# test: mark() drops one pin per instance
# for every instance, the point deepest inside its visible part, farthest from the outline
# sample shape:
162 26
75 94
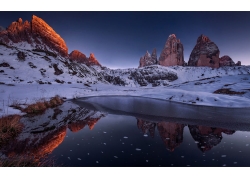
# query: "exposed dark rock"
205 53
226 61
21 55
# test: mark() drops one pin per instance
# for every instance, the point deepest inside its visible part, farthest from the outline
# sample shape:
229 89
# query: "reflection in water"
41 136
146 127
207 137
171 134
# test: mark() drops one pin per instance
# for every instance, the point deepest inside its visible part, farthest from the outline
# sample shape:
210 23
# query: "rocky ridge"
37 33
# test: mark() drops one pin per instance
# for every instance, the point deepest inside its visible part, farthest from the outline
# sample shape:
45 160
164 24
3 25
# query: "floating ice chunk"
247 144
104 132
223 155
69 158
97 162
235 162
88 153
115 157
137 149
78 144
104 143
146 160
182 156
145 135
79 159
202 146
167 138
70 150
196 142
224 165
125 137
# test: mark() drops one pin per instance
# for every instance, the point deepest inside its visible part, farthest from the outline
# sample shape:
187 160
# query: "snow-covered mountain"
34 63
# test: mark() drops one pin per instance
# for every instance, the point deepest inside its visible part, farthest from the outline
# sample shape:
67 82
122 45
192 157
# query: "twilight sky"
119 39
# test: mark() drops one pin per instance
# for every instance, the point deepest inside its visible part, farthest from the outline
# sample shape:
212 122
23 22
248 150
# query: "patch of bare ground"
228 91
10 127
40 106
25 161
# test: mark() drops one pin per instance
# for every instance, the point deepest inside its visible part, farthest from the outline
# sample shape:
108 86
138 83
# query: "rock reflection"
171 134
146 127
43 134
207 137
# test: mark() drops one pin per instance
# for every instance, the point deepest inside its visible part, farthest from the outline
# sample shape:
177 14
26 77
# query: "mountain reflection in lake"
127 131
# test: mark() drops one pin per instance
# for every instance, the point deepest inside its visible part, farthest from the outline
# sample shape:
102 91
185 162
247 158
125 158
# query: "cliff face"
40 29
37 33
205 53
172 53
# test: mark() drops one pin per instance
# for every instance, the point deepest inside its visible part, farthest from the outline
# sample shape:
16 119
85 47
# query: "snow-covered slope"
42 74
42 67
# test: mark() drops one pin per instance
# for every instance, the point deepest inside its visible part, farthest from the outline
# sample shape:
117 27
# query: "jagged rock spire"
172 53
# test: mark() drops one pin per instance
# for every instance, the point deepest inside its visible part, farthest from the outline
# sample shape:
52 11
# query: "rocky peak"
205 53
81 58
203 39
93 60
148 59
238 63
37 33
77 56
172 53
226 61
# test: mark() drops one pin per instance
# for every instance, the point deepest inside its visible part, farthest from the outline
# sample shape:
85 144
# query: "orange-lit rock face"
37 29
41 29
81 58
91 122
77 126
39 146
171 134
207 137
50 143
205 53
172 53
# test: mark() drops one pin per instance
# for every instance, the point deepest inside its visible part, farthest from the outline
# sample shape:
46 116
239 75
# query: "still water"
147 132
136 131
